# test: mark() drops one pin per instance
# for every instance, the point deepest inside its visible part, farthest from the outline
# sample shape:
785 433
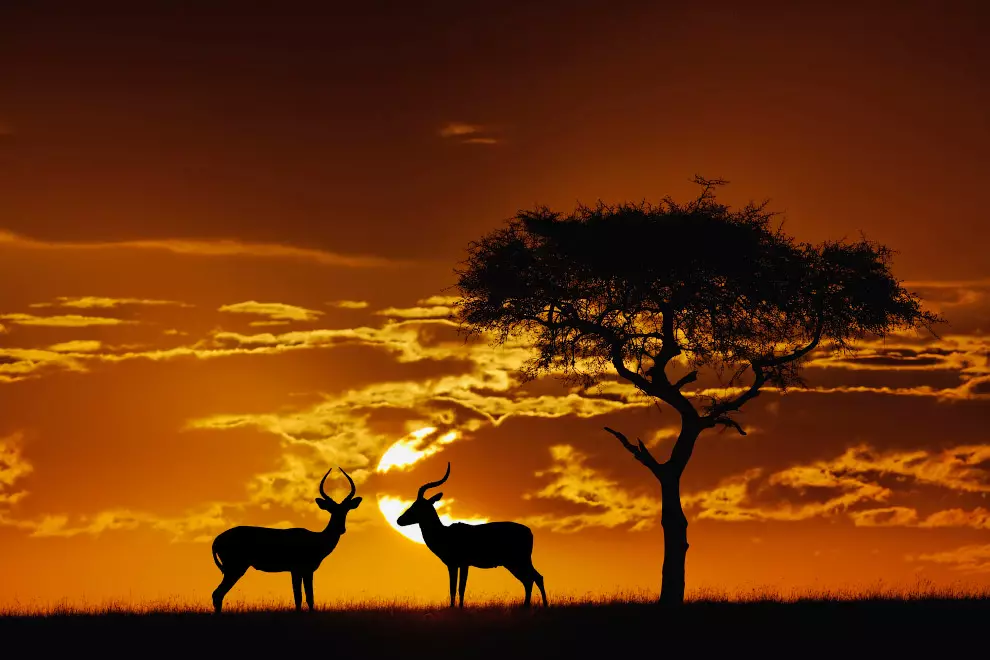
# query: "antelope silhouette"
297 551
461 546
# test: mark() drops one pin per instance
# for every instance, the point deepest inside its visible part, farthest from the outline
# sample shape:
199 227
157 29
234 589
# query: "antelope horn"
433 484
353 487
322 481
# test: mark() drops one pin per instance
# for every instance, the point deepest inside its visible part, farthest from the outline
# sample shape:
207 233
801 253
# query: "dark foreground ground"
890 628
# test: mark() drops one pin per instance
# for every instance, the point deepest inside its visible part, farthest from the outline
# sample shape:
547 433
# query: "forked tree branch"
656 384
760 378
620 368
639 452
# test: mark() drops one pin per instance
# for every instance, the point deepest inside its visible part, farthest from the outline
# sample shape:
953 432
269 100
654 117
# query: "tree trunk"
672 518
675 543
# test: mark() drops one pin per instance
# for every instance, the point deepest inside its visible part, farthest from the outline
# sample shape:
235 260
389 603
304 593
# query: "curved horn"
353 487
322 481
433 484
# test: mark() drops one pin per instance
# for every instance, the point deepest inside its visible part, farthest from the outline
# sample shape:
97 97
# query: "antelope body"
296 551
460 546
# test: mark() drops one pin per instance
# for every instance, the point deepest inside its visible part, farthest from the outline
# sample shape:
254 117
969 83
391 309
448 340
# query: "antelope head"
422 509
338 511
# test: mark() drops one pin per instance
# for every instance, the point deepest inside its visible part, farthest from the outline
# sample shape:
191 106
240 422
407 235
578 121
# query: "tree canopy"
635 285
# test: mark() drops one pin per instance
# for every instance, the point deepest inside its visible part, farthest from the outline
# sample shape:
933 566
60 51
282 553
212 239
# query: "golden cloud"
99 302
851 479
573 481
198 526
664 434
891 516
732 499
436 312
353 444
77 346
22 363
399 338
957 468
969 558
225 248
13 467
348 304
434 307
966 354
978 518
406 339
899 516
276 312
449 301
332 432
66 321
336 430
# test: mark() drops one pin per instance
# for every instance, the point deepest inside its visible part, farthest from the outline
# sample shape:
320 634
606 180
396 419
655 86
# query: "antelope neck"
328 532
432 529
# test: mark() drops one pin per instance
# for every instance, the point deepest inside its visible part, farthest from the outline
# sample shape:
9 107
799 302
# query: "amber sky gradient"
226 234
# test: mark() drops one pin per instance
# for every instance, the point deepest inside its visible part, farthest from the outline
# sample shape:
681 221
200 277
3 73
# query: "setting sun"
403 454
706 313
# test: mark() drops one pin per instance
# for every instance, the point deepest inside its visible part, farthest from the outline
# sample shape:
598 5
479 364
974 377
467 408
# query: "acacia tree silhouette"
640 288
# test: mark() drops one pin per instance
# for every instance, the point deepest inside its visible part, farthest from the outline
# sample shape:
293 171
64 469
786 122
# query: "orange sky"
225 238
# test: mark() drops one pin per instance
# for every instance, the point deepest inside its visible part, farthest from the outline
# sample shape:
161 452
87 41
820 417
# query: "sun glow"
410 449
401 455
392 508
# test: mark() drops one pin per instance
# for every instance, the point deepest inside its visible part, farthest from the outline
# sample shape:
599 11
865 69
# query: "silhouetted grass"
761 622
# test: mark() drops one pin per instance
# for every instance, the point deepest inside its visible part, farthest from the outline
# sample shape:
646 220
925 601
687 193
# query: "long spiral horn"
433 484
353 487
322 481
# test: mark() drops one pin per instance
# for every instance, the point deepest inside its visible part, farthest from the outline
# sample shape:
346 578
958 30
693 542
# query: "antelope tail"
216 559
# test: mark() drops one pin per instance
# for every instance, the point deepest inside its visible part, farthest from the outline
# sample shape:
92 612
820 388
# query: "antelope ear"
435 498
320 502
354 503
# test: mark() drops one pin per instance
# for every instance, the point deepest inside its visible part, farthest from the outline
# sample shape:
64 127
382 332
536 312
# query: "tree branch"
689 378
620 367
669 348
799 353
719 410
728 421
760 377
640 452
656 384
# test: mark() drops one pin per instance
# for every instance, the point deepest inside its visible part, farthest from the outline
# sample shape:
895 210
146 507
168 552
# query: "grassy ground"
826 624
